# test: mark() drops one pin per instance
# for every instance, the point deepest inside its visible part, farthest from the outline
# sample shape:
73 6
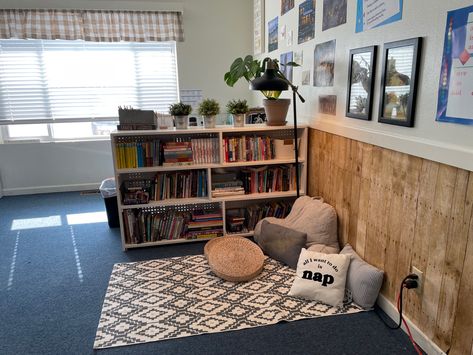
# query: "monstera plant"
250 69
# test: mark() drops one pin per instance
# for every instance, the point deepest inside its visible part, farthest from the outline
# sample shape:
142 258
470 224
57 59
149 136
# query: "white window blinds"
63 81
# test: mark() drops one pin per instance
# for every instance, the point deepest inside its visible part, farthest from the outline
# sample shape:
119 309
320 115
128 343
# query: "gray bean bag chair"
313 217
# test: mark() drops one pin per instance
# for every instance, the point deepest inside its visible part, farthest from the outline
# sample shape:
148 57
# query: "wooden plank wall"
398 210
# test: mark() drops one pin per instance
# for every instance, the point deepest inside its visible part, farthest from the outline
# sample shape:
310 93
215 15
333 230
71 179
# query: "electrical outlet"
420 280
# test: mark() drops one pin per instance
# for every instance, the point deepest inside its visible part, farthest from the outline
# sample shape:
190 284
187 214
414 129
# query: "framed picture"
361 69
399 82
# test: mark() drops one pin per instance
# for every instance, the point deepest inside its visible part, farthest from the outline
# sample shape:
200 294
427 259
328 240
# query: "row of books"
168 185
138 152
243 220
269 179
205 150
244 148
148 226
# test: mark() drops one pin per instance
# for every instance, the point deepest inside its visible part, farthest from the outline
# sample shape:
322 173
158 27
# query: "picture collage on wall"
399 60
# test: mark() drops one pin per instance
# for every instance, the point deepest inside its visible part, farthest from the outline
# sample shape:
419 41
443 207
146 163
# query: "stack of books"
226 184
177 153
205 224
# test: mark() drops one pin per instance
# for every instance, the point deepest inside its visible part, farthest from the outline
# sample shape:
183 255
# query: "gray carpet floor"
56 257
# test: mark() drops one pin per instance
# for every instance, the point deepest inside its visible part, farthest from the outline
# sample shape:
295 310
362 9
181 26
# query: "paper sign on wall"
455 97
374 13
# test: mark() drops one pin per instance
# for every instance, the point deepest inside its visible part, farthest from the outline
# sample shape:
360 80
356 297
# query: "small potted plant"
208 109
238 109
181 113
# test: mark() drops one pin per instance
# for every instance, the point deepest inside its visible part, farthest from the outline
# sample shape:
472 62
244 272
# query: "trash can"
108 191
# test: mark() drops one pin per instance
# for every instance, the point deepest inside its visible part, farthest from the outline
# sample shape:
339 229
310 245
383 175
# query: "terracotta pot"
276 111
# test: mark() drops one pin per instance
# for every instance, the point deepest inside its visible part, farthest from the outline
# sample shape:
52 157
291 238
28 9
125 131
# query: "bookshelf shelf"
260 162
258 196
194 219
154 169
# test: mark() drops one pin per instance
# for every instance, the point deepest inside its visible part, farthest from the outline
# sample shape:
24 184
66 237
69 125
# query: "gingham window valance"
91 25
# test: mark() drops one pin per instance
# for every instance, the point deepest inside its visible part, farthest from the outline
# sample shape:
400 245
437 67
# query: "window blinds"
45 81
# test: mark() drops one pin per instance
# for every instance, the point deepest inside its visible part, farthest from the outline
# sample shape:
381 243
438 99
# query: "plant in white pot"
208 109
253 70
238 109
181 112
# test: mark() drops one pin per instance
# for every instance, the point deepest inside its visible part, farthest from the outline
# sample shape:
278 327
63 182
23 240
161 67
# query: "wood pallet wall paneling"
399 211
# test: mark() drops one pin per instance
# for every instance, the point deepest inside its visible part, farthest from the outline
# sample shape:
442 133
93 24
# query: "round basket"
234 259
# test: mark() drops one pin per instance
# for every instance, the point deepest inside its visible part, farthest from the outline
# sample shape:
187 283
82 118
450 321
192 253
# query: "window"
54 89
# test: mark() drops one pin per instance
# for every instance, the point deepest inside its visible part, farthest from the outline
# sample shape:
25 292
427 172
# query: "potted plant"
181 113
238 109
250 69
208 109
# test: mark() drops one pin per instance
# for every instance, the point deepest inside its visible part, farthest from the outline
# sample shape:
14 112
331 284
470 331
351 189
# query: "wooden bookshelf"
219 164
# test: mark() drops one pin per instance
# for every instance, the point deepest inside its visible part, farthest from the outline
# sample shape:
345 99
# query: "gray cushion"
313 217
281 243
363 280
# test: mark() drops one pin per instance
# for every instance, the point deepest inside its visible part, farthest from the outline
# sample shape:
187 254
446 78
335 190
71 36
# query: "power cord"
410 281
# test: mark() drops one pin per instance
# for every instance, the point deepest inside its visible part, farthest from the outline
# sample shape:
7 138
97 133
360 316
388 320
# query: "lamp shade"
269 81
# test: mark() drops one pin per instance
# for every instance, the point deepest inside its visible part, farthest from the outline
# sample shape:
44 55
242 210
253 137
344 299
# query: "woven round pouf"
234 259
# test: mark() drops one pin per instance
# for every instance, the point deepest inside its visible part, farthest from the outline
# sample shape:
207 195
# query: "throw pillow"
281 243
313 217
321 277
363 280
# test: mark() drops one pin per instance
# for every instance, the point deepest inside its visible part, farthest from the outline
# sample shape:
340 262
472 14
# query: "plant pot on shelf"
209 121
276 111
238 120
181 122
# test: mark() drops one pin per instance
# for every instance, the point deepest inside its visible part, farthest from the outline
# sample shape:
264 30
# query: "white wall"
215 32
439 141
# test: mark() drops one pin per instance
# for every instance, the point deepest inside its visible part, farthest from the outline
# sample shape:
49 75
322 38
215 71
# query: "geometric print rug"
179 297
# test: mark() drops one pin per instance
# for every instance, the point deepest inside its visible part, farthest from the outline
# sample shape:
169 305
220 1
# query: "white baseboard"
420 338
49 189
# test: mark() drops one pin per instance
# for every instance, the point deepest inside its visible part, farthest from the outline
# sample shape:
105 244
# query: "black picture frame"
365 76
399 82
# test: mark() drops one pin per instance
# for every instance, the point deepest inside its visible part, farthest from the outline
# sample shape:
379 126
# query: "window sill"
41 141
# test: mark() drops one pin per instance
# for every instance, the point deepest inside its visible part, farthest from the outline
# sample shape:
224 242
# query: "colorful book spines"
245 148
147 226
137 154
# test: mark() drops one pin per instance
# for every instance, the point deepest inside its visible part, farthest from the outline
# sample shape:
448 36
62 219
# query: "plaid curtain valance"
92 25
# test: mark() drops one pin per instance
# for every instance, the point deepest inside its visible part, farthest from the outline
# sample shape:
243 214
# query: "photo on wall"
399 82
286 69
306 30
328 104
334 13
361 69
306 77
273 34
286 5
324 63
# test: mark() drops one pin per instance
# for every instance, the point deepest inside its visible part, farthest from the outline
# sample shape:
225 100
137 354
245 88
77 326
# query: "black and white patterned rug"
178 297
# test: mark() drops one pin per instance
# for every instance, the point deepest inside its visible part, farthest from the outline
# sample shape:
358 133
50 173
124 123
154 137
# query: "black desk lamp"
273 80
